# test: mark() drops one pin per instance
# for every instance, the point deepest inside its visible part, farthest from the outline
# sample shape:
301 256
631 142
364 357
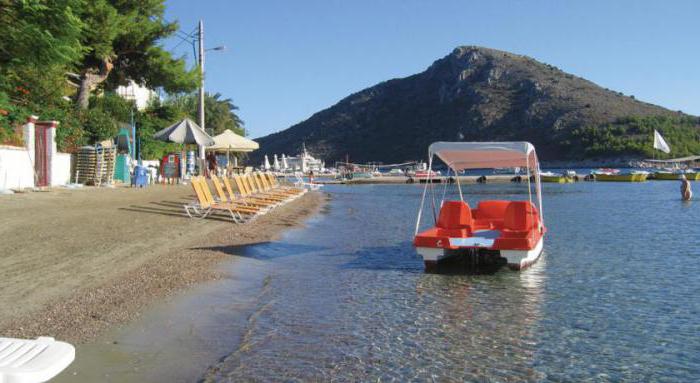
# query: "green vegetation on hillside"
62 60
635 136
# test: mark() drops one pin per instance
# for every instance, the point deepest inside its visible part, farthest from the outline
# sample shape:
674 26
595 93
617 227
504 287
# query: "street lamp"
201 73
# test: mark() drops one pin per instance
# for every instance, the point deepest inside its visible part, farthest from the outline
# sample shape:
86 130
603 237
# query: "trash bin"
140 177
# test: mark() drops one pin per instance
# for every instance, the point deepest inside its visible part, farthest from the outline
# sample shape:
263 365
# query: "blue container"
140 177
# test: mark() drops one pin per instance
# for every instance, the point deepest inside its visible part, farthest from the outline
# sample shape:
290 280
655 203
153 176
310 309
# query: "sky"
286 60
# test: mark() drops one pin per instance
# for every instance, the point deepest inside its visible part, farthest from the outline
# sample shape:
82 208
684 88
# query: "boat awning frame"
485 155
459 156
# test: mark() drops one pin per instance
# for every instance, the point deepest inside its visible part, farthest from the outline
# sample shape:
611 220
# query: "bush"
634 136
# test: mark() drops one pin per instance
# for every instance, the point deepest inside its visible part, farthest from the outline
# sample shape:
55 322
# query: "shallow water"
614 298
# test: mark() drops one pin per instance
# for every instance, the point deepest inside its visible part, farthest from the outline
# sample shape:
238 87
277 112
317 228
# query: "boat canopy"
485 155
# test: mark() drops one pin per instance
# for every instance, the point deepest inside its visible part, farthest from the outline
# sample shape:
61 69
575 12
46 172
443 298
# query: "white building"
135 92
304 162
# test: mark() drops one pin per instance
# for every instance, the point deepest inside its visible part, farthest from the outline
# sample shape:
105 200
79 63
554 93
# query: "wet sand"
77 262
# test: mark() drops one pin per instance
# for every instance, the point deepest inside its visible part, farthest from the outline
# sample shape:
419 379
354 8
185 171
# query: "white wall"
60 169
16 169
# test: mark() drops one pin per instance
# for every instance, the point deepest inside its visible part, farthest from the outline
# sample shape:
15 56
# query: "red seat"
455 219
520 227
520 216
489 214
454 215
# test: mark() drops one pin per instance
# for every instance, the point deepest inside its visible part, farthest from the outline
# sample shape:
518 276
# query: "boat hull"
692 176
514 259
621 177
556 179
667 176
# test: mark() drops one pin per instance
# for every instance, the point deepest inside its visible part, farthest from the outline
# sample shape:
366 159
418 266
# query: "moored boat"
617 176
555 178
692 174
425 174
667 175
496 232
361 175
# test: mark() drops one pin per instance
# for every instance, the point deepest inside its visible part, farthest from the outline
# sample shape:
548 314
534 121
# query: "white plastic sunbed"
300 183
39 360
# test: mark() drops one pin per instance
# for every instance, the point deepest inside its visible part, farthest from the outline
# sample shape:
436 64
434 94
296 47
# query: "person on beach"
686 192
211 163
311 176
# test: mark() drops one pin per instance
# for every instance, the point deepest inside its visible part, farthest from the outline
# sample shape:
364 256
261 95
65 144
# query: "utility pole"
201 85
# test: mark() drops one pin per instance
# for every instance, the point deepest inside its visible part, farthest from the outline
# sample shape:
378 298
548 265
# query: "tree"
219 114
40 40
38 33
121 41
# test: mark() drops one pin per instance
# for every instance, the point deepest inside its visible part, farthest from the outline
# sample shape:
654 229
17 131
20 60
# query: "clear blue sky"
286 60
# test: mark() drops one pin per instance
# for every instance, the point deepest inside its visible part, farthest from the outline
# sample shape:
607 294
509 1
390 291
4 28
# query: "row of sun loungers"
257 194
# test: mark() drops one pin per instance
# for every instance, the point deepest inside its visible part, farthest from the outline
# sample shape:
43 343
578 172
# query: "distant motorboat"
424 174
615 175
668 174
552 177
361 175
692 174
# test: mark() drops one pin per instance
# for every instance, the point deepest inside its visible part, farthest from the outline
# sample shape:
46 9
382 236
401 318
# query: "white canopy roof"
485 155
184 132
229 140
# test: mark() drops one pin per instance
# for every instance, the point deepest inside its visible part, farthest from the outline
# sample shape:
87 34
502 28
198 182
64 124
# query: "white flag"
660 143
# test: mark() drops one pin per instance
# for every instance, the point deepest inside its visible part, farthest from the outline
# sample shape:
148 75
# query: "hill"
482 94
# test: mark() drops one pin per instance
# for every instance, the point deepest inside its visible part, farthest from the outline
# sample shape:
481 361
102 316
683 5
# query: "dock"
496 178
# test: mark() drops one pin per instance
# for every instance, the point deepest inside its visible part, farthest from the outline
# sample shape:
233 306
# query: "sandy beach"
75 262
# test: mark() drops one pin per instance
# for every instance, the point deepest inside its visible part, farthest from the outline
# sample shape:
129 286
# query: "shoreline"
182 259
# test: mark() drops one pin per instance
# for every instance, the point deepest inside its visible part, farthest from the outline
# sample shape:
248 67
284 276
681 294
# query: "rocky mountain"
472 94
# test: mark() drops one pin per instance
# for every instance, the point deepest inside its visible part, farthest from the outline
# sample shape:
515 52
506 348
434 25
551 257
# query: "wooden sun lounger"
264 205
248 195
206 205
263 187
247 190
23 360
235 201
275 183
267 186
255 186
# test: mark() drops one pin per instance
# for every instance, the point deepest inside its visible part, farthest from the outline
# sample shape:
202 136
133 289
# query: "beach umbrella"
231 142
266 164
276 164
184 132
228 140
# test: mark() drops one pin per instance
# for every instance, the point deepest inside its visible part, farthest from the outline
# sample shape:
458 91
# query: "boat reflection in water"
483 326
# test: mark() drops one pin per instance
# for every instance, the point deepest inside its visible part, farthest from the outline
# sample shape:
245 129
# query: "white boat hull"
516 259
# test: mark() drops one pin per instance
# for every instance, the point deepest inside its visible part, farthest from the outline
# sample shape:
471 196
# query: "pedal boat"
496 232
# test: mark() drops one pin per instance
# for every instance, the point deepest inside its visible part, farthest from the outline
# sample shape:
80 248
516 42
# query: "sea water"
615 297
